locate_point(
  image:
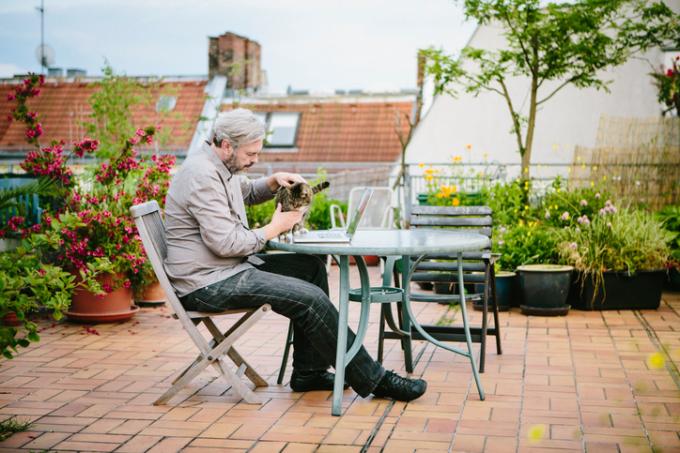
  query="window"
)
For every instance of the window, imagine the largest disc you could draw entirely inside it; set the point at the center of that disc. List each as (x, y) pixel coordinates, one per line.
(281, 128)
(166, 103)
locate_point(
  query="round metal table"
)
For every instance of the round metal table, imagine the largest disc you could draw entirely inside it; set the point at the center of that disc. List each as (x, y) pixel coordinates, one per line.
(389, 243)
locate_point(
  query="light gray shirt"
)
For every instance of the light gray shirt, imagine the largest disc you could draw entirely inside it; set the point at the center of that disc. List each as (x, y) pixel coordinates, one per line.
(205, 220)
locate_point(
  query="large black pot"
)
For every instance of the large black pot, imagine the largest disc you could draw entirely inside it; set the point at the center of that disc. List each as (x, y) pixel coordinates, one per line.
(544, 289)
(620, 290)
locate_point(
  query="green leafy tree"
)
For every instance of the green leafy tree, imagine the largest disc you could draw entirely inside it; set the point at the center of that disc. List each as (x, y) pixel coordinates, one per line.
(552, 46)
(111, 118)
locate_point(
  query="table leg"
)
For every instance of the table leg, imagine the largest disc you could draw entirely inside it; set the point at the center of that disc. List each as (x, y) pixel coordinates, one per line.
(341, 347)
(468, 338)
(409, 312)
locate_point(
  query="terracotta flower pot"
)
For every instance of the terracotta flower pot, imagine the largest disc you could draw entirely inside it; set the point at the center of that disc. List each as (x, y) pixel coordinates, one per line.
(89, 307)
(150, 295)
(10, 320)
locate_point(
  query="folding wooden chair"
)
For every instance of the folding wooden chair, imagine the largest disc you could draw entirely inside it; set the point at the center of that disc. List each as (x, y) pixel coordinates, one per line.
(152, 231)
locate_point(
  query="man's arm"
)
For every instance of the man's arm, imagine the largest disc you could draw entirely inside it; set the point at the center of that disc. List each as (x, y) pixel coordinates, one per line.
(263, 189)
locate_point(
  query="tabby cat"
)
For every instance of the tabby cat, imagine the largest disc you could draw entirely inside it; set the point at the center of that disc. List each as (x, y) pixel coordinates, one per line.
(296, 196)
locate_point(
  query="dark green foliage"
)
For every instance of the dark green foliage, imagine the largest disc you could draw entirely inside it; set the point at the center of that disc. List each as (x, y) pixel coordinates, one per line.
(526, 243)
(11, 426)
(670, 218)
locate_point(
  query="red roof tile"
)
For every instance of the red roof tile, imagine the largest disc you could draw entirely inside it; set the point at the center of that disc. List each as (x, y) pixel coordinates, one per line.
(63, 106)
(330, 131)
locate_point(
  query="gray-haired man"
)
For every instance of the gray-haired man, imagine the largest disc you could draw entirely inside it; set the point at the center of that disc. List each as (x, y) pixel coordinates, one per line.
(213, 265)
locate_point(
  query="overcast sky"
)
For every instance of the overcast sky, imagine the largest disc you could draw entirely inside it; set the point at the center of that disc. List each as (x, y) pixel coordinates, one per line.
(308, 44)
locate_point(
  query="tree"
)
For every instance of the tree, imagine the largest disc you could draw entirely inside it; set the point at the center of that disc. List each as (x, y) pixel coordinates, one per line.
(567, 43)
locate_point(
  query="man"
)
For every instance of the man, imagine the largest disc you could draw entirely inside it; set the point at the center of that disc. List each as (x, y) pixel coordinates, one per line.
(212, 263)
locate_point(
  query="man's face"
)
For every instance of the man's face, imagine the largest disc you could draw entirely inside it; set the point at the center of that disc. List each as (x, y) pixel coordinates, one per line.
(243, 157)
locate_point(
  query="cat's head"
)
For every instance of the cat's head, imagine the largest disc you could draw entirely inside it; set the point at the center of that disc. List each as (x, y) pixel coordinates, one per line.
(302, 193)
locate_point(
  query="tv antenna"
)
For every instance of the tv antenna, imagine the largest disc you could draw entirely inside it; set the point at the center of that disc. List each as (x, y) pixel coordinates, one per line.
(44, 53)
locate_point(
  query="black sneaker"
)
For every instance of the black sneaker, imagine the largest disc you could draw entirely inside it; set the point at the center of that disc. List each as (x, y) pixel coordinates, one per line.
(399, 388)
(315, 380)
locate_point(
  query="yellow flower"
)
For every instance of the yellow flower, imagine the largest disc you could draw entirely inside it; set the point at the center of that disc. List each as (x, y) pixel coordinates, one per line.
(656, 361)
(555, 147)
(526, 170)
(421, 165)
(594, 167)
(455, 201)
(485, 156)
(592, 183)
(536, 433)
(429, 171)
(428, 178)
(456, 159)
(604, 178)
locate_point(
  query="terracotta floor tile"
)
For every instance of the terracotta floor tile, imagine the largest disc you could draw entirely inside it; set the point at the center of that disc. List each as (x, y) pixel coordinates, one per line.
(583, 377)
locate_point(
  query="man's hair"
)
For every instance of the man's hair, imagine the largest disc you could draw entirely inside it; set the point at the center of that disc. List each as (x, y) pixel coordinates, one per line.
(238, 127)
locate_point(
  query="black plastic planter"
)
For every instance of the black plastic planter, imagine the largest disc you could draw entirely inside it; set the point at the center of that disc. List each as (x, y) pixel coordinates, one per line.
(505, 292)
(544, 289)
(621, 291)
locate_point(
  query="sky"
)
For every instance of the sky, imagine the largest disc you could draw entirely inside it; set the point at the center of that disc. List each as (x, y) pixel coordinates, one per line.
(318, 45)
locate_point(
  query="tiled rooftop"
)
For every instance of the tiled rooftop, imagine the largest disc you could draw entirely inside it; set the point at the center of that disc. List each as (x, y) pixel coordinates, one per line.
(339, 131)
(63, 106)
(575, 383)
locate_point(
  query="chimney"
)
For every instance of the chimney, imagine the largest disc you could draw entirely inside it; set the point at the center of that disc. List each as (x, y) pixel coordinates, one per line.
(237, 58)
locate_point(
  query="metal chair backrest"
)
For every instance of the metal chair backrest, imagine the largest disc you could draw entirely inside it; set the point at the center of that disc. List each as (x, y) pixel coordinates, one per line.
(379, 211)
(477, 219)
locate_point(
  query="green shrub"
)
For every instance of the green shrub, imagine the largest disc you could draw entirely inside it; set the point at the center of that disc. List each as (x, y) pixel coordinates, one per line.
(319, 216)
(26, 285)
(526, 243)
(561, 207)
(260, 214)
(507, 201)
(670, 218)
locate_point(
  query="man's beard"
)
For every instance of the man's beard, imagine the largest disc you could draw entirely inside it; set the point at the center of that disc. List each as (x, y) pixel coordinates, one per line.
(233, 167)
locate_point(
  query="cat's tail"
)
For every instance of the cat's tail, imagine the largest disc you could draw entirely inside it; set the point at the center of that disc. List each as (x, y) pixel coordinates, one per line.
(319, 187)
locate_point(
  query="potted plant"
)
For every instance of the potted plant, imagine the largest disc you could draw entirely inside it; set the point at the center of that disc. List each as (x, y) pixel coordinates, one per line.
(620, 255)
(531, 249)
(26, 285)
(670, 218)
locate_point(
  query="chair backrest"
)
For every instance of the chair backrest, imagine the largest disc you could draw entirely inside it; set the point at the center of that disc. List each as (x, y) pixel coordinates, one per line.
(477, 219)
(152, 232)
(379, 211)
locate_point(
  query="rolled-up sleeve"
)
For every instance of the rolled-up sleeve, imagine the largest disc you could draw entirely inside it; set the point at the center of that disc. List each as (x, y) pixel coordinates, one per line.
(221, 229)
(255, 191)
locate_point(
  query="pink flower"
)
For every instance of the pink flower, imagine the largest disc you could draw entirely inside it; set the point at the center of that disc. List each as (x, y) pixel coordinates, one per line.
(669, 73)
(583, 220)
(140, 132)
(583, 203)
(565, 216)
(11, 97)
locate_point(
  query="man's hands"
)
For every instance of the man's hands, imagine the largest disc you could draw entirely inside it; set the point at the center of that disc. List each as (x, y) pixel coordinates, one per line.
(283, 179)
(281, 222)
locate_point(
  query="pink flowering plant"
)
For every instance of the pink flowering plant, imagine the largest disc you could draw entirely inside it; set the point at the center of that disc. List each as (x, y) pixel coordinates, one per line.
(90, 233)
(668, 86)
(94, 233)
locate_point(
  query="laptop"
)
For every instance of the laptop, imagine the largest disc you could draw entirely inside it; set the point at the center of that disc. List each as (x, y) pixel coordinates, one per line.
(331, 236)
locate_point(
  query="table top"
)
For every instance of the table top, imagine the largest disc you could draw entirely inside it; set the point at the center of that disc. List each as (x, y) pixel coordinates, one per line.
(394, 242)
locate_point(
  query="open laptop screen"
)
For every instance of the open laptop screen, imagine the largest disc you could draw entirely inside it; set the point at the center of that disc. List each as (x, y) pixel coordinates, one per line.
(359, 213)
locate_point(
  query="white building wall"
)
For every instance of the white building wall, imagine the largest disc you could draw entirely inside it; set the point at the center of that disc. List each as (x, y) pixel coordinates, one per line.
(569, 118)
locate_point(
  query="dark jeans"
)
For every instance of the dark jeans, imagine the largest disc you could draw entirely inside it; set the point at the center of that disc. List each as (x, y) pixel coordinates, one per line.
(296, 286)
